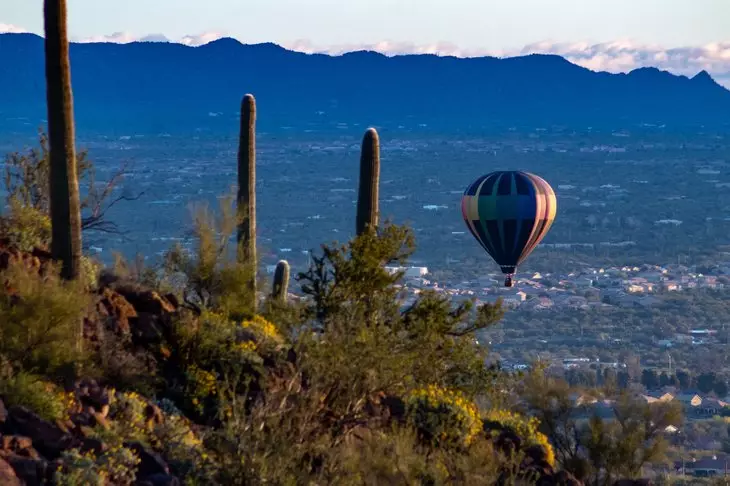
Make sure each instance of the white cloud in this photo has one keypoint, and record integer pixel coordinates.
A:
(200, 39)
(11, 29)
(127, 37)
(617, 56)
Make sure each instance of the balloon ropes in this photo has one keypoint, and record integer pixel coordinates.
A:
(509, 213)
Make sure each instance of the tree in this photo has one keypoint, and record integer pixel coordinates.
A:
(720, 388)
(649, 379)
(684, 379)
(664, 379)
(706, 382)
(64, 184)
(600, 450)
(27, 185)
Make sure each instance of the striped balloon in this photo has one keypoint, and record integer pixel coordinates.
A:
(509, 213)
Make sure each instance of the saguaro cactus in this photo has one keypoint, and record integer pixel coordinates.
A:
(281, 280)
(247, 188)
(64, 183)
(367, 199)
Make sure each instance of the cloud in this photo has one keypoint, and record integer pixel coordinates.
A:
(127, 37)
(617, 56)
(11, 29)
(200, 39)
(622, 56)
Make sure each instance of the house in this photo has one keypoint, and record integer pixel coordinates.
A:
(689, 401)
(649, 398)
(711, 407)
(635, 288)
(671, 286)
(707, 466)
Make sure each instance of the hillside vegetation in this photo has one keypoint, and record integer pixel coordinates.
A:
(196, 372)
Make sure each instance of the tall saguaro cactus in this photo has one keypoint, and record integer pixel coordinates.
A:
(367, 199)
(64, 183)
(247, 188)
(281, 281)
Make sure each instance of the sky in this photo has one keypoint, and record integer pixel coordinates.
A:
(682, 36)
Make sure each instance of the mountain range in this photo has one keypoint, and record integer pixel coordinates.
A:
(167, 86)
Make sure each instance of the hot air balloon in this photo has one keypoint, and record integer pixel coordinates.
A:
(509, 213)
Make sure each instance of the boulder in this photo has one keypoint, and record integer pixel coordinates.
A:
(7, 474)
(153, 415)
(48, 438)
(30, 472)
(146, 328)
(90, 394)
(117, 309)
(151, 463)
(146, 301)
(17, 444)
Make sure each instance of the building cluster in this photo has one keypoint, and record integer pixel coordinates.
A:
(613, 286)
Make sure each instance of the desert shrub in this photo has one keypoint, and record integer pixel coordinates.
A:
(41, 319)
(443, 417)
(25, 227)
(597, 450)
(388, 457)
(184, 450)
(201, 385)
(27, 186)
(527, 428)
(35, 393)
(117, 465)
(364, 340)
(128, 368)
(212, 277)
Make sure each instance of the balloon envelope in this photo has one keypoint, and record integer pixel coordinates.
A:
(509, 213)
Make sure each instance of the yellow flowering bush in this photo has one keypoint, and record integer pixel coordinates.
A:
(263, 330)
(525, 427)
(183, 449)
(201, 385)
(25, 226)
(43, 397)
(443, 416)
(247, 351)
(127, 410)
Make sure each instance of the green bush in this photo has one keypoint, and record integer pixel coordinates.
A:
(443, 417)
(117, 465)
(212, 278)
(42, 319)
(25, 227)
(35, 393)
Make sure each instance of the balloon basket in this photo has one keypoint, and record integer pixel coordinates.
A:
(508, 281)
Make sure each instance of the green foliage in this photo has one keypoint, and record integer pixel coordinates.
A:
(525, 427)
(443, 417)
(212, 276)
(25, 227)
(34, 392)
(41, 318)
(601, 450)
(397, 457)
(117, 466)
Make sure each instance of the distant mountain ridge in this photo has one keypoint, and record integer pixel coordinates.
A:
(164, 86)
